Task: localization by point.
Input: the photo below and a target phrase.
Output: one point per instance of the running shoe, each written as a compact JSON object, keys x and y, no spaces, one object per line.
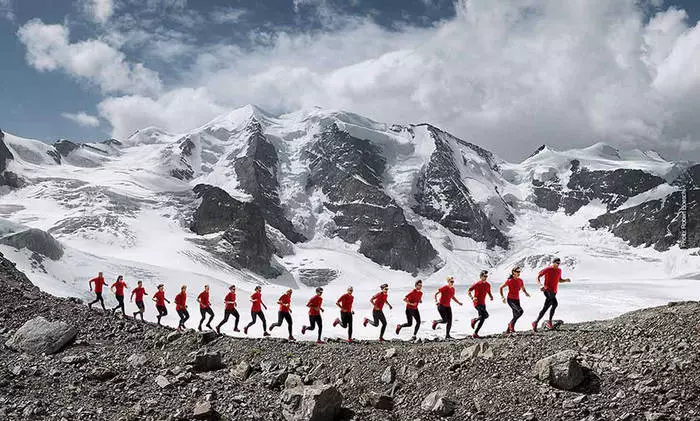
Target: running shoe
{"x":398,"y":329}
{"x":476,"y":336}
{"x":534,"y":326}
{"x":435,"y":323}
{"x":266,"y":334}
{"x":245,"y":330}
{"x":549,"y":325}
{"x":336,"y":322}
{"x":303,"y":330}
{"x":364,"y":323}
{"x":474,"y":322}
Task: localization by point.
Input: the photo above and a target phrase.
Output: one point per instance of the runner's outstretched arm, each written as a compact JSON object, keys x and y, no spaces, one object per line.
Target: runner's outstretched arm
{"x":524,"y":291}
{"x":456,"y":300}
{"x":500,"y":290}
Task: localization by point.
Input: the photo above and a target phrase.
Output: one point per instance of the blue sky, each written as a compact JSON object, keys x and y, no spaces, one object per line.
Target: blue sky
{"x":509,"y":75}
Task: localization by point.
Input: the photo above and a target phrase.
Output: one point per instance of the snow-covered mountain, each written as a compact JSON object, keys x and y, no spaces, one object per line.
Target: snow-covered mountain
{"x":321,"y":197}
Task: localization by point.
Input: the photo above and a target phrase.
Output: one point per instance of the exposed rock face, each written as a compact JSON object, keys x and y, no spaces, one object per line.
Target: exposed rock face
{"x":184,"y":170}
{"x":243,"y":229}
{"x":257,"y":175}
{"x":37,"y":241}
{"x":5,"y":153}
{"x":442,"y":196}
{"x":40,"y":336}
{"x":317,"y":277}
{"x":610,"y":187}
{"x":348,"y":171}
{"x":65,"y":147}
{"x":656,"y":222}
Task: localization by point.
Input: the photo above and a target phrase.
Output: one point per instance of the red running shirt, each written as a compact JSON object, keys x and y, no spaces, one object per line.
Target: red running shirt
{"x":160,"y":298}
{"x":481,"y":289}
{"x":203,"y":298}
{"x":99,"y":282}
{"x":314,"y":305}
{"x":257,"y":302}
{"x":446,"y":294}
{"x":379,"y":300}
{"x":181,"y":301}
{"x":414,"y":297}
{"x":230,"y":301}
{"x":514,"y":287}
{"x":285,"y":300}
{"x":139,"y":293}
{"x":345,"y":302}
{"x":552,"y":276}
{"x":119,"y":287}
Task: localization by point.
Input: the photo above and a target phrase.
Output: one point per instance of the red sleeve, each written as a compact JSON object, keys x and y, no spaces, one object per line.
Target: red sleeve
{"x":374,"y":297}
{"x":542,"y":272}
{"x":471,"y":288}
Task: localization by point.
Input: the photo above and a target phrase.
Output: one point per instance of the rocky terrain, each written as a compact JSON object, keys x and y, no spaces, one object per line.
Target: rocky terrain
{"x":78,"y":364}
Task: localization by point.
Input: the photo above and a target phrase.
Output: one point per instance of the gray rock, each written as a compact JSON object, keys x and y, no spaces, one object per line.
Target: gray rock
{"x":207,"y":361}
{"x":438,"y":403}
{"x":388,"y":375}
{"x":561,"y":370}
{"x":39,"y":336}
{"x":390,"y":353}
{"x":203,"y":410}
{"x":317,"y":277}
{"x":244,"y":243}
{"x":242,"y":370}
{"x":481,"y":350}
{"x":17,"y":371}
{"x":311,"y":403}
{"x":173,"y":336}
{"x":293,"y":380}
{"x":137,"y":360}
{"x":74,"y":359}
{"x":275,"y":379}
{"x":349,"y":172}
{"x":377,"y":401}
{"x":36,"y":240}
{"x":206,"y":337}
{"x":162,"y":382}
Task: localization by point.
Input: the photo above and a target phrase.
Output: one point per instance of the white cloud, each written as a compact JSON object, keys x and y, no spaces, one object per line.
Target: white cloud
{"x":178,"y":110}
{"x":99,"y":10}
{"x":49,"y":48}
{"x":82,"y":119}
{"x":6,"y":10}
{"x":509,"y":75}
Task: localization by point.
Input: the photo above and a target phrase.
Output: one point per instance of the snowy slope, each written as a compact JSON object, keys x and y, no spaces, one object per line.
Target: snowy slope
{"x":118,"y":208}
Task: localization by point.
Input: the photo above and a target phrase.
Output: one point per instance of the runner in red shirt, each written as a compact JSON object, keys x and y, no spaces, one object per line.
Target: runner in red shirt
{"x":315,"y":311}
{"x":344,"y":303}
{"x":181,"y":307}
{"x":256,"y":311}
{"x":139,"y":292}
{"x":481,"y":289}
{"x":118,"y":290}
{"x":378,"y":301}
{"x":515,"y":285}
{"x":99,"y":283}
{"x":205,"y":308}
{"x":447,"y":295}
{"x":412,"y":300}
{"x":284,"y":313}
{"x":230,"y":309}
{"x":552,"y":277}
{"x":160,"y":300}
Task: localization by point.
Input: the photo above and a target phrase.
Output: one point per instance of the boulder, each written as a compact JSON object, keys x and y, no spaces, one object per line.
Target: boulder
{"x":40,"y":336}
{"x":206,"y":337}
{"x":173,"y":336}
{"x":35,"y":240}
{"x":561,"y":370}
{"x":438,"y":403}
{"x":74,"y":359}
{"x":137,"y":360}
{"x":377,"y":401}
{"x":206,"y":361}
{"x":242,"y":370}
{"x":388,"y":375}
{"x":293,"y":380}
{"x":481,"y":350}
{"x":162,"y":382}
{"x":311,"y":403}
{"x":203,"y":411}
